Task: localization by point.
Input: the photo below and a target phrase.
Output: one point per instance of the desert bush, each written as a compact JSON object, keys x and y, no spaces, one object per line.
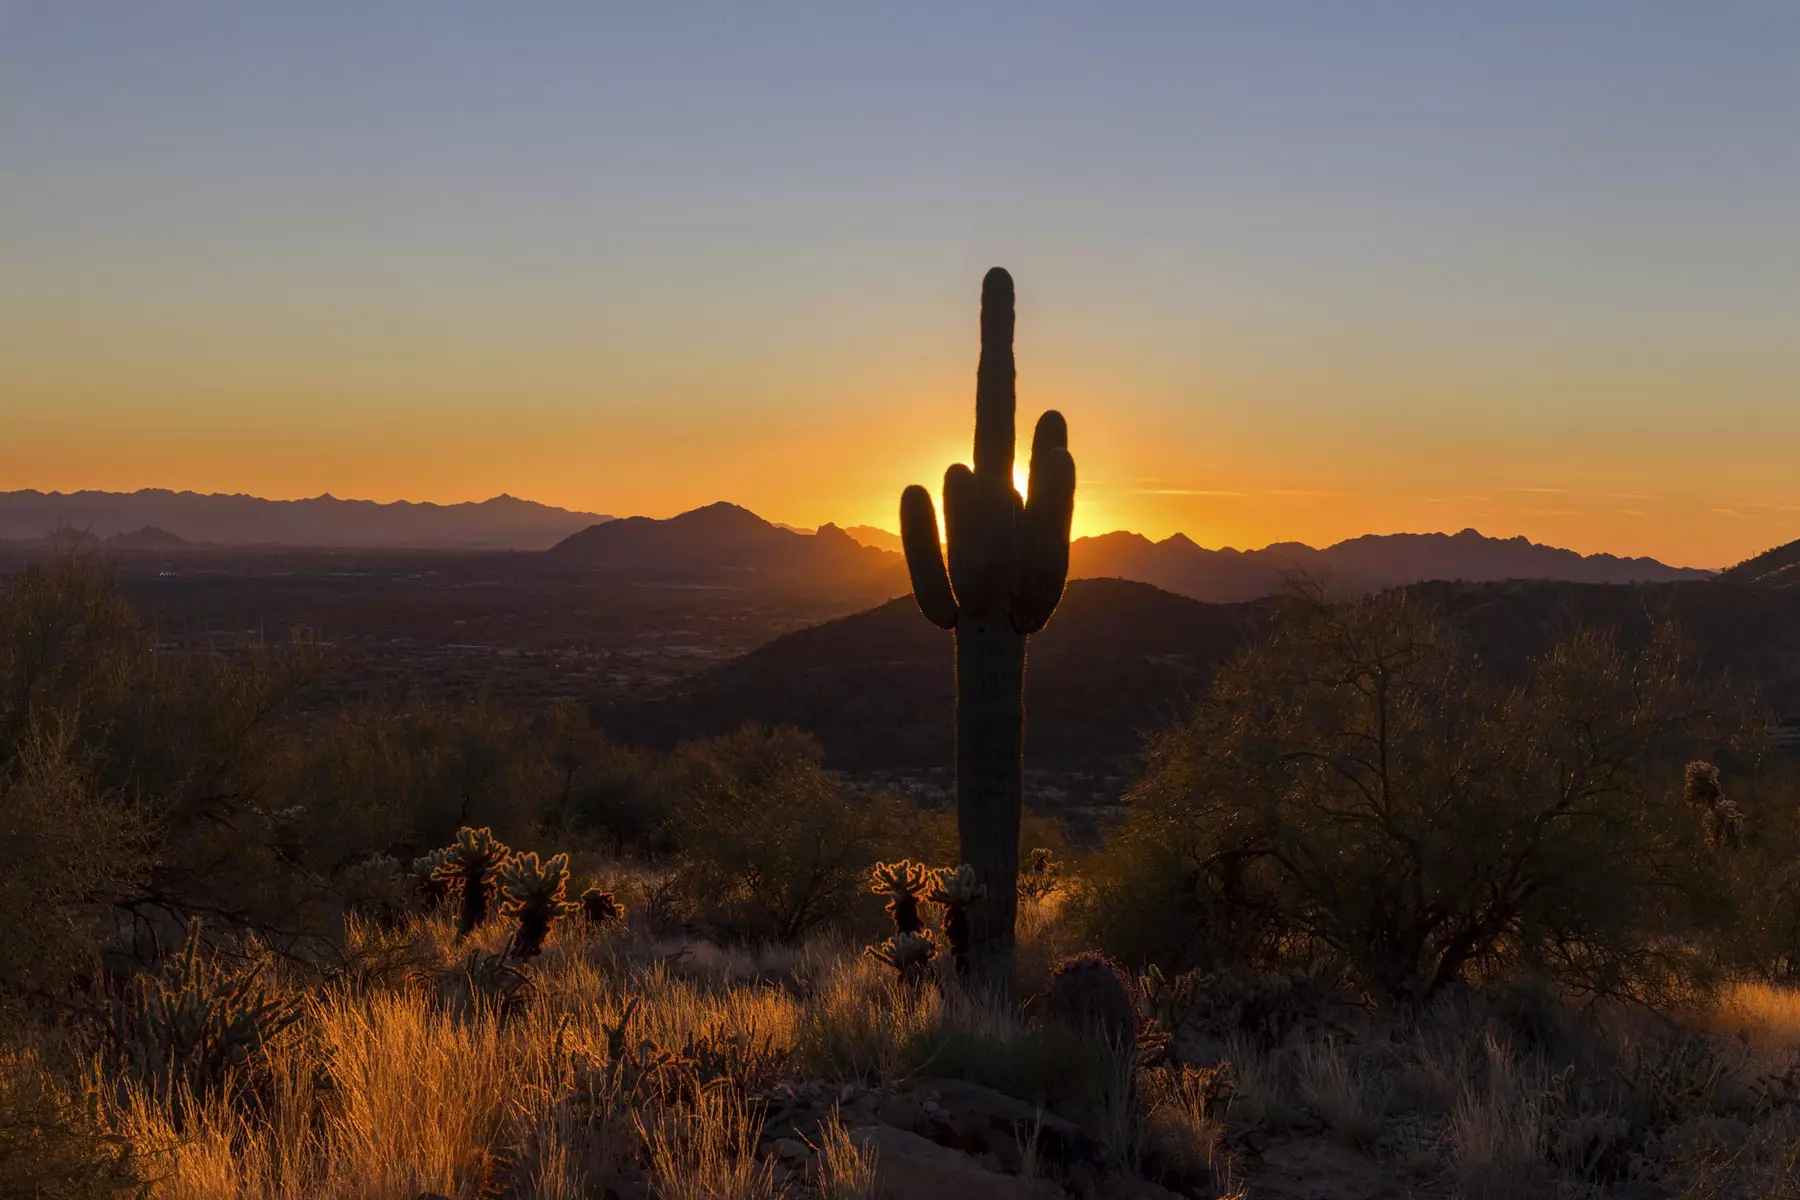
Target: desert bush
{"x":1361,"y":786}
{"x":771,"y":847}
{"x":53,"y":1146}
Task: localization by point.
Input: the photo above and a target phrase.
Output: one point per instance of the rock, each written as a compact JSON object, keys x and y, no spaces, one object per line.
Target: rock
{"x":791,"y":1150}
{"x":903,"y":1112}
{"x":908,"y":1167}
{"x":967,"y":1116}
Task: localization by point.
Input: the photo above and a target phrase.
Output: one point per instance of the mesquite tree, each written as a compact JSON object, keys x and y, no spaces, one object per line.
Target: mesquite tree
{"x":1007,"y":563}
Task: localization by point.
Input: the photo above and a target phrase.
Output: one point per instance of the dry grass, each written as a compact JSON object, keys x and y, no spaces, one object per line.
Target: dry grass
{"x":1342,"y":1091}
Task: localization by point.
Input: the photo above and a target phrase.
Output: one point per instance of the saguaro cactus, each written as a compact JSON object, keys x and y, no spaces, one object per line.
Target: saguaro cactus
{"x":1008,"y":560}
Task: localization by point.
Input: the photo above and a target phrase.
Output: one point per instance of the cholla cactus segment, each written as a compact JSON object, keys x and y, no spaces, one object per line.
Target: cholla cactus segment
{"x":468,"y":866}
{"x":535,"y":893}
{"x":956,"y":887}
{"x":910,"y":954}
{"x":599,"y":908}
{"x":903,"y":883}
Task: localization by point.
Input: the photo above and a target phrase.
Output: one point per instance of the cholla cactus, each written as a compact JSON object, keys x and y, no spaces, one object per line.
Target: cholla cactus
{"x":910,"y":954}
{"x":956,"y":888}
{"x":468,"y":867}
{"x":432,"y":886}
{"x":902,"y":883}
{"x":1724,"y":819}
{"x":194,"y":1021}
{"x":1041,"y":875}
{"x":600,"y":909}
{"x":375,"y":890}
{"x":534,"y":893}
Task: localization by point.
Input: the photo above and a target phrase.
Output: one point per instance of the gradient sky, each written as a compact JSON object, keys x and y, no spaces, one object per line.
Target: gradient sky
{"x":1291,"y":271}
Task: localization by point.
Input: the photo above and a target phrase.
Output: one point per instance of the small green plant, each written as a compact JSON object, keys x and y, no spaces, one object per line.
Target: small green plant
{"x":1089,"y":994}
{"x":469,"y":867}
{"x":534,"y":893}
{"x":903,"y":883}
{"x":600,"y":909}
{"x":195,"y":1021}
{"x":910,"y":954}
{"x":955,"y":889}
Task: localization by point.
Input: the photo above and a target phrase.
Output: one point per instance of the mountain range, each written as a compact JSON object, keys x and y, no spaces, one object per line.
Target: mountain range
{"x":1362,"y":564}
{"x":725,"y":543}
{"x":502,"y":523}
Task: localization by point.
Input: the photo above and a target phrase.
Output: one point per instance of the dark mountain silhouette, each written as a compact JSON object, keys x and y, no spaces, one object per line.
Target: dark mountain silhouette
{"x":869,"y":535}
{"x":502,"y":523}
{"x":877,"y":687}
{"x":1779,"y":567}
{"x":1122,"y":658}
{"x":147,"y":538}
{"x":1361,"y":564}
{"x":725,"y":541}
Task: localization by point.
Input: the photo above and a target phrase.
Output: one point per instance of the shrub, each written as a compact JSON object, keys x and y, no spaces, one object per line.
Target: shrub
{"x":771,"y":847}
{"x":1361,"y":786}
{"x":52,"y":1147}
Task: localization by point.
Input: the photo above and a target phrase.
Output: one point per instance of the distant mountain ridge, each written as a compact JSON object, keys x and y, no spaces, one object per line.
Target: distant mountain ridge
{"x":1362,"y":564}
{"x":502,"y":523}
{"x":726,"y":539}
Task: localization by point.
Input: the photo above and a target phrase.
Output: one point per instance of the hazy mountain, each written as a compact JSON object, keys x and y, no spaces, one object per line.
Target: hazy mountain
{"x":1779,"y":567}
{"x":1361,"y":564}
{"x":503,"y":523}
{"x":869,"y":535}
{"x":1122,"y":658}
{"x":726,"y":541}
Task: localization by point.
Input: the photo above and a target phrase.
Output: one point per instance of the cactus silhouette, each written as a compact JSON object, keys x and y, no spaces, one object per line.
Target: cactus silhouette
{"x":1008,"y":560}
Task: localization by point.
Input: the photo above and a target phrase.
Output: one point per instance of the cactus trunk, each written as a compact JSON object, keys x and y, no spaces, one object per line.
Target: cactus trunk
{"x":990,"y":727}
{"x":1000,"y":582}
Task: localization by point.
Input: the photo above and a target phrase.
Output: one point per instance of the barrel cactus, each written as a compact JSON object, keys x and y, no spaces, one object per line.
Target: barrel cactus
{"x":468,"y":867}
{"x":957,"y":891}
{"x":1003,"y":578}
{"x":903,"y":883}
{"x":1090,"y":994}
{"x":535,"y":894}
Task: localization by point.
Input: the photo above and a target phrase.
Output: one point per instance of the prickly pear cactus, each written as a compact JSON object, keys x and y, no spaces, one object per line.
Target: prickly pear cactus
{"x":1003,"y":578}
{"x":1089,"y":994}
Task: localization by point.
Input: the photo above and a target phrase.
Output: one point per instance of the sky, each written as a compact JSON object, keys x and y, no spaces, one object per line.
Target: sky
{"x":1292,"y":271}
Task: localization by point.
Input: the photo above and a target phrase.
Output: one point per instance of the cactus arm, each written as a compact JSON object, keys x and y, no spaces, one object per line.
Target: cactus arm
{"x":925,"y":558}
{"x":1044,"y":565}
{"x":970,"y":558}
{"x":995,"y":381}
